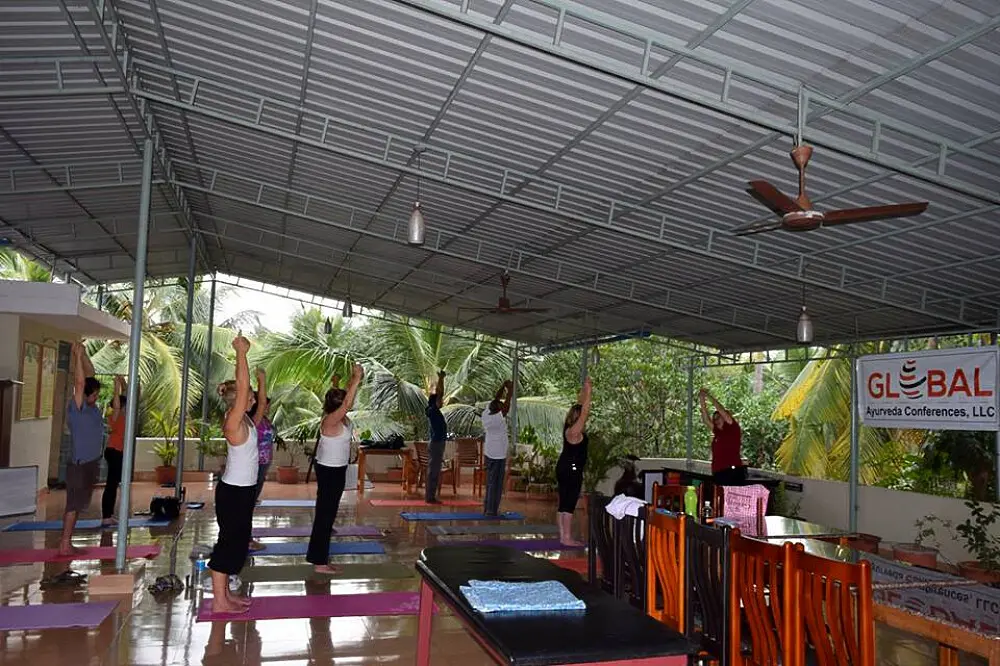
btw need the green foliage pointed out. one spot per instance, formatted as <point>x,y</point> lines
<point>926,535</point>
<point>15,266</point>
<point>980,539</point>
<point>781,503</point>
<point>166,452</point>
<point>603,454</point>
<point>293,450</point>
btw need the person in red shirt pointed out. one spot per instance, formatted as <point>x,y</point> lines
<point>113,452</point>
<point>727,439</point>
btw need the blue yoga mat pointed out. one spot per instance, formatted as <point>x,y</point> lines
<point>458,515</point>
<point>338,548</point>
<point>288,503</point>
<point>93,524</point>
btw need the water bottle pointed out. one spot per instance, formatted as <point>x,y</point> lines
<point>202,575</point>
<point>707,512</point>
<point>691,502</point>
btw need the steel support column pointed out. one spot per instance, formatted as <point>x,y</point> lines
<point>852,509</point>
<point>206,373</point>
<point>584,354</point>
<point>516,377</point>
<point>690,414</point>
<point>186,367</point>
<point>996,449</point>
<point>134,346</point>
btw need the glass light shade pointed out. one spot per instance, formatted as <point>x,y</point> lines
<point>328,326</point>
<point>415,228</point>
<point>804,330</point>
<point>348,311</point>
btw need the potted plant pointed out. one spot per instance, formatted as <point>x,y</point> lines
<point>166,451</point>
<point>292,448</point>
<point>210,446</point>
<point>981,542</point>
<point>923,552</point>
<point>602,457</point>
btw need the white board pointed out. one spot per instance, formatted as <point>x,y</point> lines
<point>940,389</point>
<point>18,490</point>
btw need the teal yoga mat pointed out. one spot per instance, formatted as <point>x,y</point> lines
<point>458,515</point>
<point>498,528</point>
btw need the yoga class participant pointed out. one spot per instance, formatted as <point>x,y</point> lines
<point>236,493</point>
<point>86,432</point>
<point>572,460</point>
<point>113,452</point>
<point>333,454</point>
<point>495,444</point>
<point>265,439</point>
<point>727,440</point>
<point>438,436</point>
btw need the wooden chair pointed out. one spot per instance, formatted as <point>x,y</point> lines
<point>707,581</point>
<point>671,498</point>
<point>665,568</point>
<point>601,550</point>
<point>448,473</point>
<point>630,558</point>
<point>760,590</point>
<point>469,453</point>
<point>834,618</point>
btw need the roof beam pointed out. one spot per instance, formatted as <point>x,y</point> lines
<point>501,194</point>
<point>638,73</point>
<point>485,249</point>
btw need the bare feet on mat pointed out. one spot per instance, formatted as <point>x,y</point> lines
<point>432,501</point>
<point>229,605</point>
<point>573,543</point>
<point>327,569</point>
<point>109,522</point>
<point>66,551</point>
<point>256,545</point>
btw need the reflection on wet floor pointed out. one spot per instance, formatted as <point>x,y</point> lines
<point>164,632</point>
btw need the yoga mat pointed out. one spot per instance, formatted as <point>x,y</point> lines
<point>306,530</point>
<point>516,544</point>
<point>30,555</point>
<point>352,570</point>
<point>342,548</point>
<point>288,503</point>
<point>54,616</point>
<point>457,515</point>
<point>420,502</point>
<point>319,605</point>
<point>448,530</point>
<point>93,524</point>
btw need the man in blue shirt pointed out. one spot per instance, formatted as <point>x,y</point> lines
<point>438,436</point>
<point>86,431</point>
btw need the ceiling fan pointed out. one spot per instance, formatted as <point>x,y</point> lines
<point>503,306</point>
<point>799,215</point>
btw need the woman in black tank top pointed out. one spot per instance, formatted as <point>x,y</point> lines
<point>572,460</point>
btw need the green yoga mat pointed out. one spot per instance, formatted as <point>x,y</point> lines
<point>354,570</point>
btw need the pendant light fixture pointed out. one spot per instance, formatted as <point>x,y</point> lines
<point>328,326</point>
<point>415,229</point>
<point>347,312</point>
<point>804,329</point>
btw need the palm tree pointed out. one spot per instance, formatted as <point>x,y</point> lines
<point>15,266</point>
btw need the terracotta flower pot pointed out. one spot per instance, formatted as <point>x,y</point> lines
<point>917,555</point>
<point>866,542</point>
<point>288,475</point>
<point>166,474</point>
<point>976,571</point>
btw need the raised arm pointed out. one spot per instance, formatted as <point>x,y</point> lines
<point>258,414</point>
<point>336,416</point>
<point>335,381</point>
<point>575,431</point>
<point>235,425</point>
<point>116,399</point>
<point>705,416</point>
<point>723,412</point>
<point>504,395</point>
<point>79,377</point>
<point>440,386</point>
<point>88,367</point>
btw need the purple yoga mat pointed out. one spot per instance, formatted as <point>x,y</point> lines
<point>319,605</point>
<point>306,530</point>
<point>54,616</point>
<point>516,544</point>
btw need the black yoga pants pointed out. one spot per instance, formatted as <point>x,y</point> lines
<point>114,479</point>
<point>234,513</point>
<point>569,477</point>
<point>329,489</point>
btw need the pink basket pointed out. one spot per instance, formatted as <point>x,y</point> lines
<point>745,505</point>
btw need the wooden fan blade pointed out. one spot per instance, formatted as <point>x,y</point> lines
<point>771,196</point>
<point>852,215</point>
<point>526,310</point>
<point>756,229</point>
<point>482,309</point>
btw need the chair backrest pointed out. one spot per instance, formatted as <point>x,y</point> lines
<point>630,558</point>
<point>759,593</point>
<point>708,574</point>
<point>468,452</point>
<point>423,456</point>
<point>601,526</point>
<point>671,498</point>
<point>665,568</point>
<point>835,611</point>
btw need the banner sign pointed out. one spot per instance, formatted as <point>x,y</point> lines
<point>974,607</point>
<point>940,389</point>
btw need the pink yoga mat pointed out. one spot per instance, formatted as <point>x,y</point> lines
<point>419,502</point>
<point>319,605</point>
<point>306,530</point>
<point>30,555</point>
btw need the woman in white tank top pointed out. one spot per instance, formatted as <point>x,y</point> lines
<point>235,494</point>
<point>333,453</point>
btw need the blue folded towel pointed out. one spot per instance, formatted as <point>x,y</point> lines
<point>496,596</point>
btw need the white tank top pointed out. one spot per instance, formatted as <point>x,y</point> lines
<point>335,450</point>
<point>241,461</point>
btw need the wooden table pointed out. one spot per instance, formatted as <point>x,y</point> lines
<point>609,631</point>
<point>405,453</point>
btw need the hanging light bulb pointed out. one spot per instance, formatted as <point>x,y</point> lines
<point>595,357</point>
<point>804,330</point>
<point>328,326</point>
<point>415,227</point>
<point>347,312</point>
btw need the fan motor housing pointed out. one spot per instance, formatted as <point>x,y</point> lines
<point>802,220</point>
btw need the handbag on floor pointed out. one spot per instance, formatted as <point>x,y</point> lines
<point>164,508</point>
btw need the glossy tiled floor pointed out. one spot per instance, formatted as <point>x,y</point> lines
<point>148,632</point>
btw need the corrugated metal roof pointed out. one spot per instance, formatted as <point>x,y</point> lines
<point>596,149</point>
